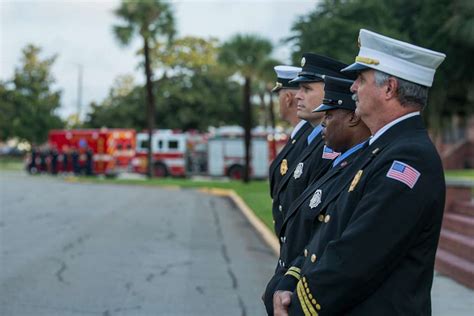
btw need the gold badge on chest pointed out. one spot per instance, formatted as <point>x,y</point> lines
<point>355,180</point>
<point>283,167</point>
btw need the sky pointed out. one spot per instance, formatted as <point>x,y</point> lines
<point>80,33</point>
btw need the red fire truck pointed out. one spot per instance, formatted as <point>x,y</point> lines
<point>174,153</point>
<point>97,151</point>
<point>219,153</point>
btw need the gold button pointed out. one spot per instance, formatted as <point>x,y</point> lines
<point>321,218</point>
<point>318,307</point>
<point>307,291</point>
<point>313,257</point>
<point>313,301</point>
<point>273,221</point>
<point>304,279</point>
<point>306,252</point>
<point>327,218</point>
<point>310,296</point>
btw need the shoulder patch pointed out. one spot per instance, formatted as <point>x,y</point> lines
<point>404,173</point>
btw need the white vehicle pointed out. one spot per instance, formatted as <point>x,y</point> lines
<point>226,153</point>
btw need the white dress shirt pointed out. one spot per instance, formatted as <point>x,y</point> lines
<point>392,123</point>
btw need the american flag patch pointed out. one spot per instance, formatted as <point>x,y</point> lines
<point>328,153</point>
<point>404,173</point>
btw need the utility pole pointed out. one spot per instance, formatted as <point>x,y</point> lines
<point>79,91</point>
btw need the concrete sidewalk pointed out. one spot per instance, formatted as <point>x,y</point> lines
<point>451,298</point>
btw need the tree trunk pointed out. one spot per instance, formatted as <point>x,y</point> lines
<point>263,110</point>
<point>247,124</point>
<point>150,106</point>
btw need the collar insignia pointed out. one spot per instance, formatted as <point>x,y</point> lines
<point>355,180</point>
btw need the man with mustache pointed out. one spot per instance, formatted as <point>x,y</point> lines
<point>375,254</point>
<point>314,160</point>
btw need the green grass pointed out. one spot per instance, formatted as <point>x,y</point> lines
<point>467,174</point>
<point>255,194</point>
<point>13,164</point>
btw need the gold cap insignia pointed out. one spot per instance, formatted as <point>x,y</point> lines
<point>355,180</point>
<point>303,61</point>
<point>284,167</point>
<point>367,60</point>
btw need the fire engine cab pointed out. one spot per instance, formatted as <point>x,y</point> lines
<point>174,153</point>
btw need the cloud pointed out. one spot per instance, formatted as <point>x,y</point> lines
<point>80,32</point>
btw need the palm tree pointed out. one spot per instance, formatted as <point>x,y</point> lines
<point>267,77</point>
<point>244,54</point>
<point>154,22</point>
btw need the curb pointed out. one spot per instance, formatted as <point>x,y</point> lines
<point>267,235</point>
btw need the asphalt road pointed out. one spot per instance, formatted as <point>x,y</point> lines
<point>85,249</point>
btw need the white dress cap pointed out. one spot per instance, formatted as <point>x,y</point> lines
<point>400,59</point>
<point>287,72</point>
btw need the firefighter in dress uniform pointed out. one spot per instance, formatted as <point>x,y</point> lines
<point>344,131</point>
<point>76,167</point>
<point>32,165</point>
<point>297,142</point>
<point>54,160</point>
<point>89,161</point>
<point>43,157</point>
<point>375,253</point>
<point>316,158</point>
<point>64,158</point>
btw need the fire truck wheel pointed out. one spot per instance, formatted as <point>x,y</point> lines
<point>236,172</point>
<point>160,170</point>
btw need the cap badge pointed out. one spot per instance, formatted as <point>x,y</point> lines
<point>303,61</point>
<point>298,171</point>
<point>339,102</point>
<point>367,60</point>
<point>316,199</point>
<point>284,167</point>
